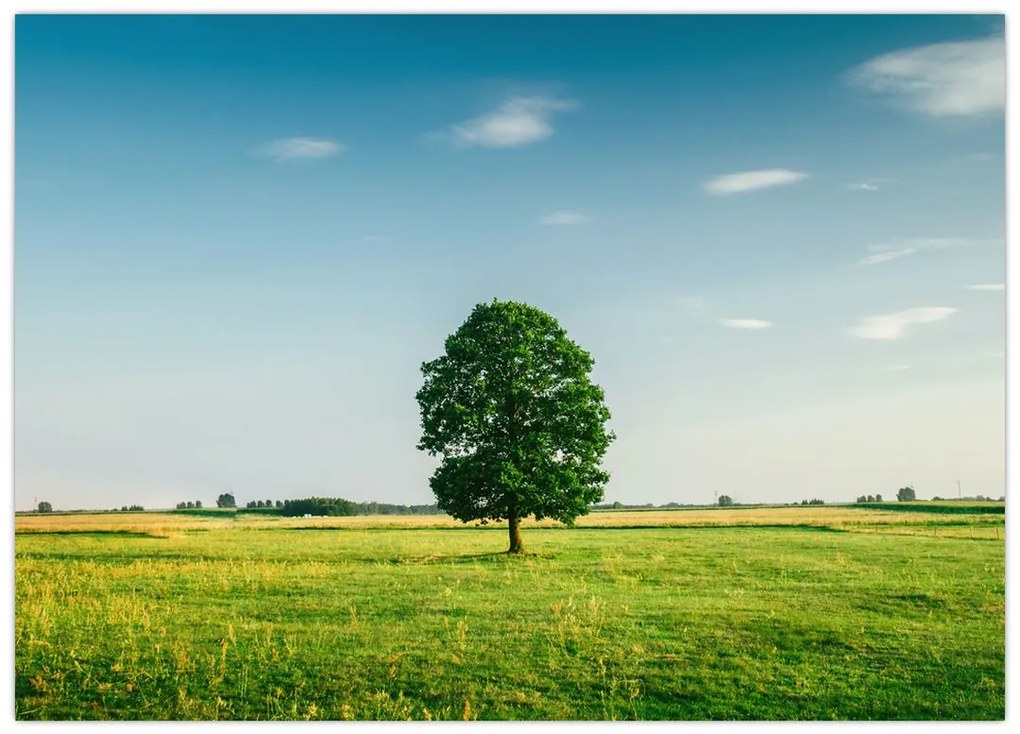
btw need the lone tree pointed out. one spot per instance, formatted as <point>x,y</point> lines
<point>44,506</point>
<point>725,500</point>
<point>519,425</point>
<point>906,494</point>
<point>226,500</point>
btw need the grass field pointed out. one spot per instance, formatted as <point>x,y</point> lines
<point>744,613</point>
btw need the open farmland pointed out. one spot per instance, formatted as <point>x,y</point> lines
<point>743,613</point>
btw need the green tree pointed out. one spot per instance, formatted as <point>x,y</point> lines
<point>519,425</point>
<point>226,500</point>
<point>906,494</point>
<point>725,500</point>
<point>878,498</point>
<point>44,507</point>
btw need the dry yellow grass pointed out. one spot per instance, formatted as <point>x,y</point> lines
<point>836,517</point>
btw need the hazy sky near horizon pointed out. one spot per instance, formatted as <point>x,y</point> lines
<point>238,237</point>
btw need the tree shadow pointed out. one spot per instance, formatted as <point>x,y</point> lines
<point>438,558</point>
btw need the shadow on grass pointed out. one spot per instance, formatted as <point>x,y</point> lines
<point>122,533</point>
<point>436,558</point>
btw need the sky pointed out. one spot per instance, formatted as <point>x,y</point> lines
<point>238,237</point>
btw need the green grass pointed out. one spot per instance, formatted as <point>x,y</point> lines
<point>716,623</point>
<point>943,507</point>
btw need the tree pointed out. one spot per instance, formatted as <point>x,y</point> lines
<point>519,425</point>
<point>190,505</point>
<point>279,504</point>
<point>44,506</point>
<point>878,498</point>
<point>198,504</point>
<point>906,494</point>
<point>725,500</point>
<point>226,500</point>
<point>871,498</point>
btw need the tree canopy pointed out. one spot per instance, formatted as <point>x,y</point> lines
<point>518,424</point>
<point>906,494</point>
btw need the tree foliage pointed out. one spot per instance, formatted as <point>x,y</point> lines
<point>518,424</point>
<point>226,500</point>
<point>44,506</point>
<point>906,494</point>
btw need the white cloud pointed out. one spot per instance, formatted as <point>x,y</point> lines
<point>943,79</point>
<point>738,183</point>
<point>909,246</point>
<point>894,325</point>
<point>745,323</point>
<point>293,149</point>
<point>883,257</point>
<point>864,186</point>
<point>518,121</point>
<point>563,218</point>
<point>975,158</point>
<point>987,287</point>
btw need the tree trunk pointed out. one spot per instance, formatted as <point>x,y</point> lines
<point>516,546</point>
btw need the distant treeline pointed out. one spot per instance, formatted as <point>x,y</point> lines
<point>338,506</point>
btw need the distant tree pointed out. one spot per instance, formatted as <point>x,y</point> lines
<point>1002,498</point>
<point>325,506</point>
<point>181,505</point>
<point>136,508</point>
<point>617,505</point>
<point>191,505</point>
<point>260,504</point>
<point>936,498</point>
<point>44,507</point>
<point>226,500</point>
<point>871,498</point>
<point>519,425</point>
<point>725,500</point>
<point>124,508</point>
<point>279,504</point>
<point>878,498</point>
<point>198,504</point>
<point>906,494</point>
<point>861,498</point>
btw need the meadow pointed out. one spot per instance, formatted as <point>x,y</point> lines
<point>818,612</point>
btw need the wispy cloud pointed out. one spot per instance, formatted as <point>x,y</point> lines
<point>909,246</point>
<point>885,256</point>
<point>943,79</point>
<point>563,218</point>
<point>517,122</point>
<point>294,149</point>
<point>895,325</point>
<point>745,323</point>
<point>975,158</point>
<point>744,181</point>
<point>863,186</point>
<point>987,287</point>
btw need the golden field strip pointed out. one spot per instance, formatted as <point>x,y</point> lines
<point>836,517</point>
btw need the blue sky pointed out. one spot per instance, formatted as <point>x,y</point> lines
<point>237,238</point>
